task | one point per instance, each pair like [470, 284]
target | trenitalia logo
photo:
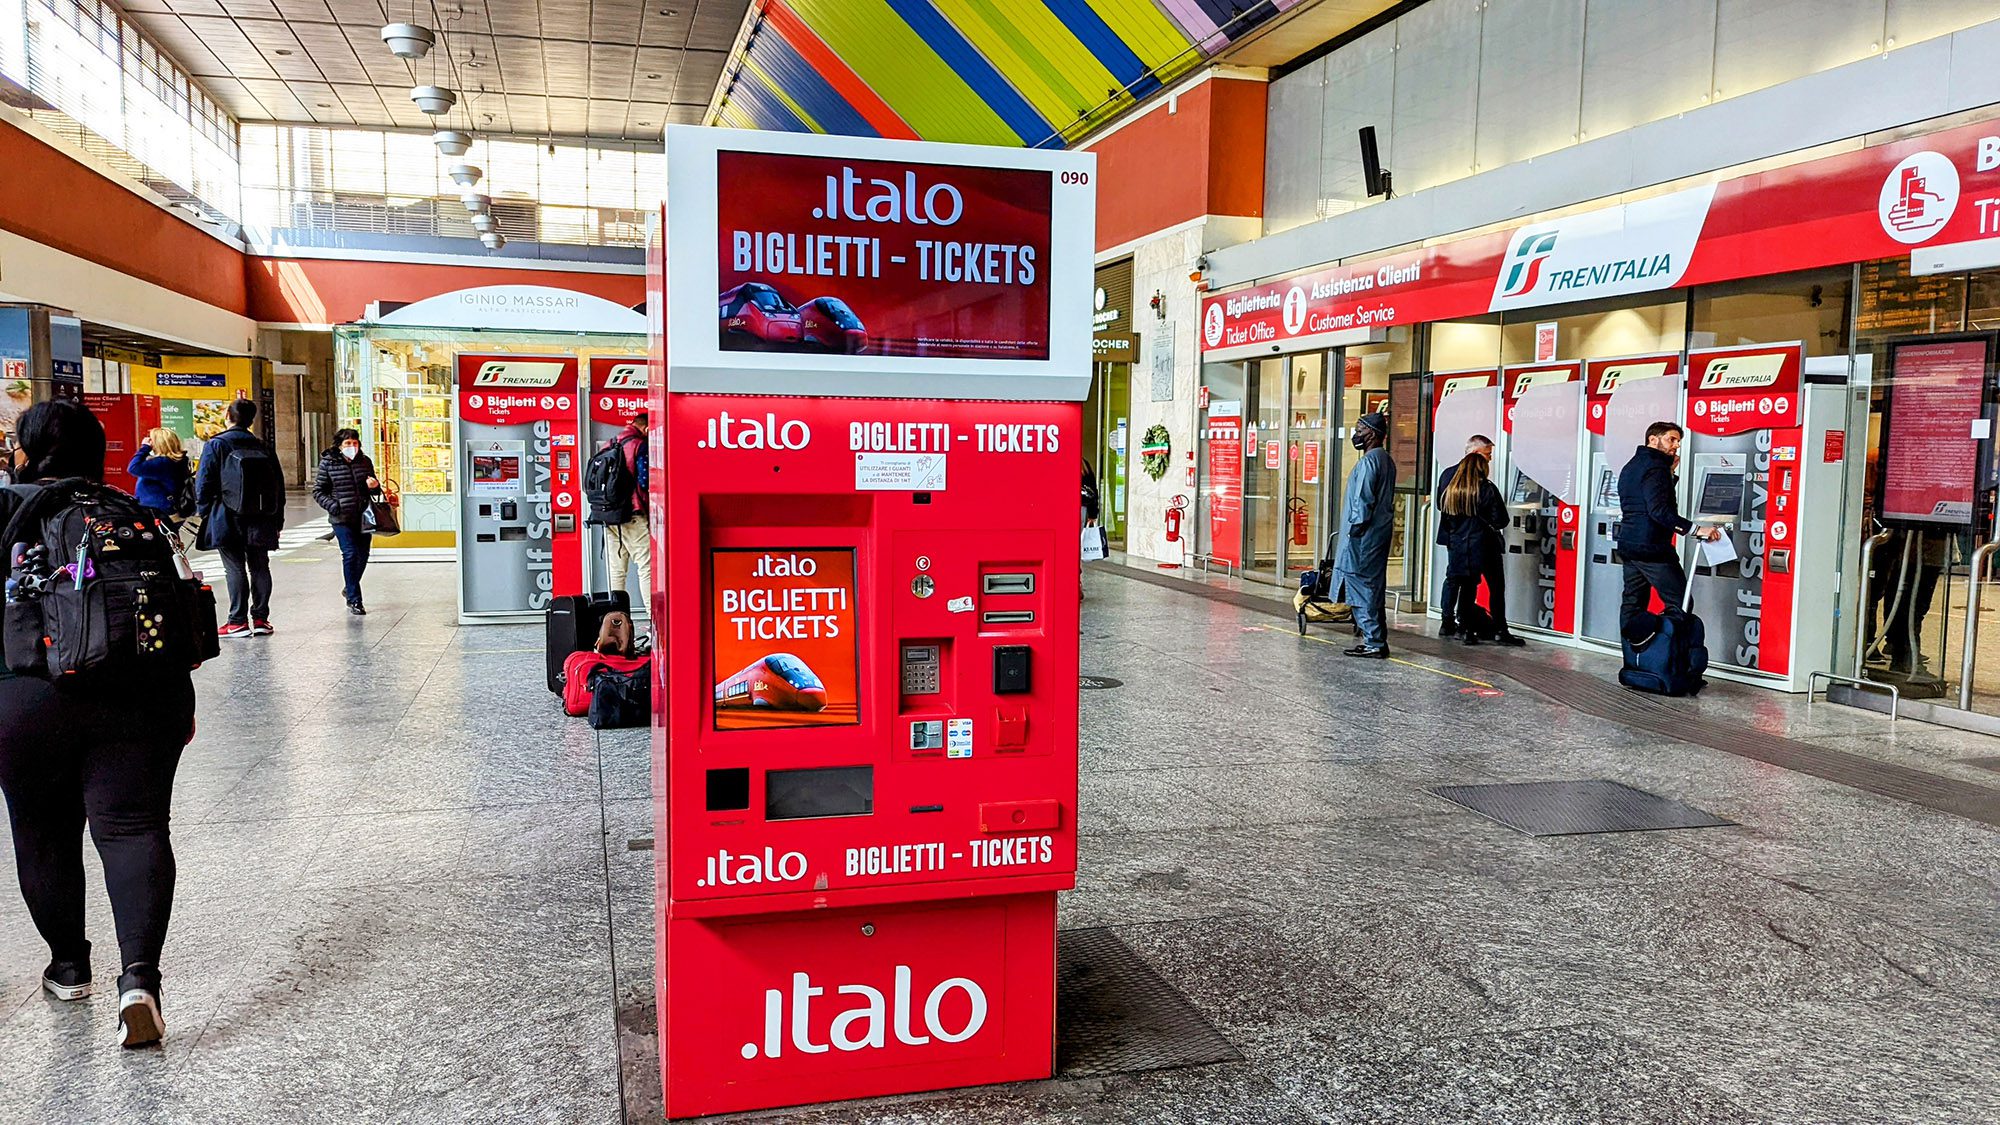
[1619, 374]
[1524, 263]
[517, 373]
[1631, 248]
[1742, 371]
[625, 377]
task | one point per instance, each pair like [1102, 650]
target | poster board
[1937, 443]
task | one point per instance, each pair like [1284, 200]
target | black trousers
[70, 758]
[1645, 576]
[248, 570]
[1461, 595]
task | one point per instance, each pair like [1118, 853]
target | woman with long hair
[91, 754]
[1474, 517]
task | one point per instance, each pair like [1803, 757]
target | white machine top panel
[855, 266]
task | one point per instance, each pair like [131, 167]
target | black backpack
[184, 495]
[609, 483]
[97, 588]
[252, 484]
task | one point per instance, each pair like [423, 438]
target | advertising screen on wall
[782, 638]
[1933, 434]
[843, 265]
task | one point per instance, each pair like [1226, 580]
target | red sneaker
[233, 629]
[260, 628]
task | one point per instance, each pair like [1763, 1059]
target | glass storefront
[1107, 425]
[395, 385]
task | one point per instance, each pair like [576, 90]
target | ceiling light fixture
[466, 175]
[433, 100]
[408, 40]
[482, 222]
[476, 202]
[493, 240]
[451, 142]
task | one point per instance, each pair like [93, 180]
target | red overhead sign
[1737, 390]
[1878, 202]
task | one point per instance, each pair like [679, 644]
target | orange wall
[1205, 158]
[56, 201]
[320, 291]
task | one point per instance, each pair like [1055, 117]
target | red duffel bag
[576, 676]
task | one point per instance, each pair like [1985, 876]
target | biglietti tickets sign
[1879, 202]
[844, 265]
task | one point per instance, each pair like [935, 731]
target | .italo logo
[1524, 264]
[727, 432]
[888, 202]
[869, 1023]
[734, 869]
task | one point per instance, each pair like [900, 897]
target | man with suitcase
[1649, 518]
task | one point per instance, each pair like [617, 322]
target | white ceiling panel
[582, 67]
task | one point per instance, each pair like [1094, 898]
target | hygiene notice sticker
[899, 472]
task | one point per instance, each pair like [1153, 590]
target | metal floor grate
[1575, 808]
[1115, 1015]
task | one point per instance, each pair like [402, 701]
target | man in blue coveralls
[1361, 567]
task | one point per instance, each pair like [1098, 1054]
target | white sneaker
[140, 1023]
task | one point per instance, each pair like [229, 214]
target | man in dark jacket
[245, 541]
[1649, 518]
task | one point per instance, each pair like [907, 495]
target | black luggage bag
[1667, 657]
[573, 621]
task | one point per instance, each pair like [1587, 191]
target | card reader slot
[1008, 617]
[1007, 582]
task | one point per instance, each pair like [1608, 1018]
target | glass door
[1264, 467]
[1306, 463]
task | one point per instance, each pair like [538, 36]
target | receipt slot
[865, 747]
[521, 495]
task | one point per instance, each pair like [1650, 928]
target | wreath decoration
[1155, 447]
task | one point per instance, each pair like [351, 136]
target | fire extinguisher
[1299, 509]
[1174, 511]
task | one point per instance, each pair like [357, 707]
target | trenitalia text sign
[1879, 202]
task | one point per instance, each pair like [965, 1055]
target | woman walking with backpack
[97, 751]
[165, 479]
[343, 485]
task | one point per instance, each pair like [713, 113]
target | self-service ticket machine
[1765, 453]
[865, 755]
[520, 500]
[1536, 470]
[1613, 436]
[1464, 404]
[616, 390]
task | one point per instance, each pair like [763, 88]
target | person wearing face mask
[343, 485]
[1361, 567]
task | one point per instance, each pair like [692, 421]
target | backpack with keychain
[98, 587]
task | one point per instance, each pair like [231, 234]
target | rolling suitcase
[1666, 656]
[572, 622]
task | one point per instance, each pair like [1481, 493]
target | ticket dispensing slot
[1008, 598]
[1007, 582]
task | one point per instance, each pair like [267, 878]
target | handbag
[621, 699]
[380, 516]
[1095, 544]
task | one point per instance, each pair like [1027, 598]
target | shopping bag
[381, 518]
[1094, 544]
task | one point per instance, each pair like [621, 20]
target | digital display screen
[781, 636]
[1721, 495]
[1607, 491]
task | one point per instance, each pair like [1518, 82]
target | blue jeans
[354, 544]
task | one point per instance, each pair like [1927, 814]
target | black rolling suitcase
[573, 621]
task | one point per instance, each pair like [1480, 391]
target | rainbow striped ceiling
[1034, 73]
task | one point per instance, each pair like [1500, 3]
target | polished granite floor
[412, 892]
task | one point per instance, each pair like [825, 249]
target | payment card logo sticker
[1919, 197]
[1211, 324]
[1524, 262]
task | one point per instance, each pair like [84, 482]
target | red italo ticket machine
[865, 760]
